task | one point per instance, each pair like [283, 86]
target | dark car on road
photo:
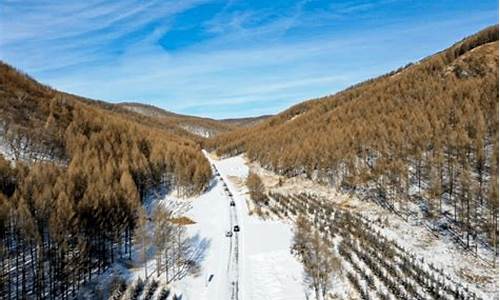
[236, 228]
[232, 203]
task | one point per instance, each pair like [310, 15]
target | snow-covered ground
[199, 130]
[5, 150]
[255, 263]
[267, 269]
[478, 274]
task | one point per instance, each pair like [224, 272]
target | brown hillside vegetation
[193, 127]
[185, 123]
[427, 133]
[183, 220]
[246, 122]
[81, 169]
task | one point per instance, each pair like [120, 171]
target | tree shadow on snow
[211, 184]
[197, 248]
[155, 195]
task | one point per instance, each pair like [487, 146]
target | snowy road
[255, 263]
[233, 257]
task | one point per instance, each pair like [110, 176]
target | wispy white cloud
[48, 35]
[256, 59]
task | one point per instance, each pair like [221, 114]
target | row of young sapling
[432, 279]
[139, 289]
[376, 267]
[382, 262]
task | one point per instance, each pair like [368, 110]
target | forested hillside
[76, 173]
[424, 136]
[197, 126]
[246, 122]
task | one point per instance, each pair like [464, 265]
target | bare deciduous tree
[143, 238]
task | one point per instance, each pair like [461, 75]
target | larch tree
[163, 239]
[256, 188]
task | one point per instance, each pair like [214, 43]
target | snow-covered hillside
[199, 130]
[464, 269]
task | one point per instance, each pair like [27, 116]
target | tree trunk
[17, 270]
[166, 265]
[23, 277]
[158, 264]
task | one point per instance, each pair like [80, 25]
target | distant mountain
[246, 122]
[203, 127]
[148, 110]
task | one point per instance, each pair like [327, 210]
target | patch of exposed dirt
[237, 181]
[471, 276]
[182, 220]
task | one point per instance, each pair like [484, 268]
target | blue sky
[226, 58]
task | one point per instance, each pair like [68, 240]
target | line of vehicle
[233, 220]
